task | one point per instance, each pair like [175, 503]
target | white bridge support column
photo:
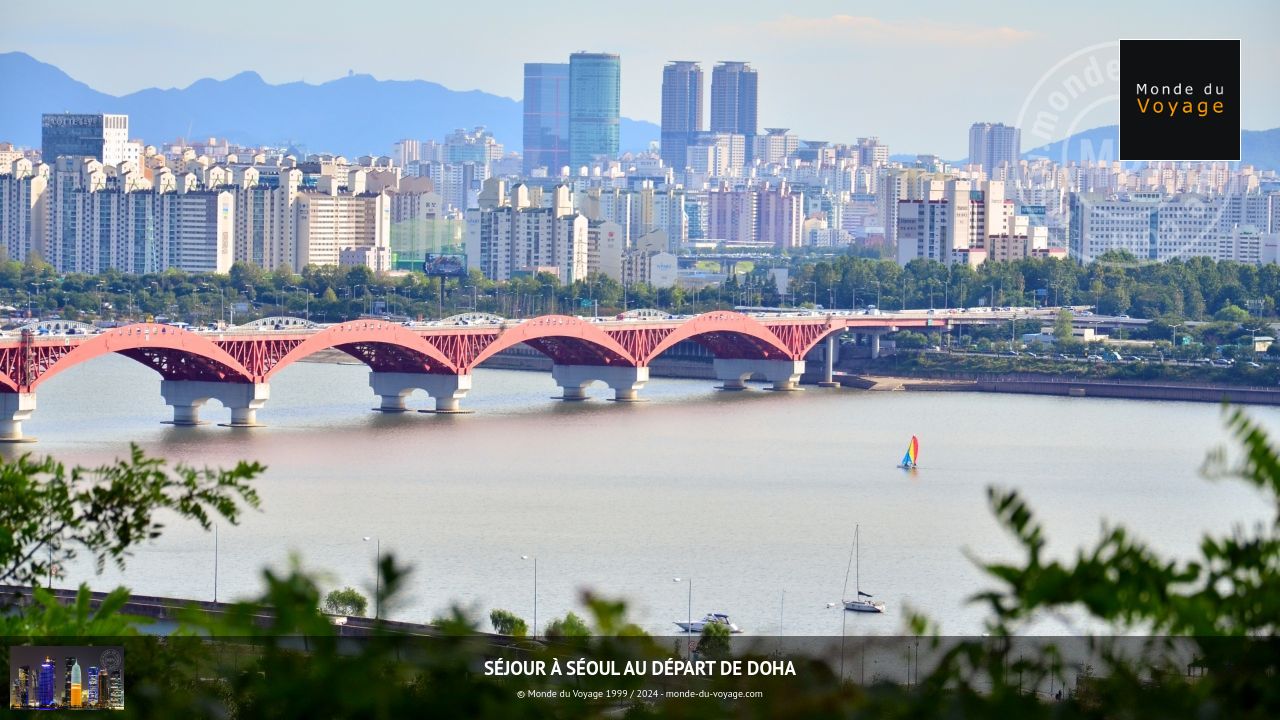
[15, 408]
[626, 381]
[829, 362]
[784, 374]
[875, 345]
[187, 396]
[394, 388]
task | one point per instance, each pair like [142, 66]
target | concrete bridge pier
[626, 381]
[734, 373]
[188, 396]
[394, 388]
[14, 409]
[875, 345]
[829, 362]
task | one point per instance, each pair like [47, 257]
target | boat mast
[857, 578]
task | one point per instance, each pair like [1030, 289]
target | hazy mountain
[1259, 148]
[353, 115]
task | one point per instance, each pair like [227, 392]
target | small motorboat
[708, 619]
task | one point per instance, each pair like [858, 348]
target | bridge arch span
[728, 335]
[175, 353]
[382, 345]
[566, 340]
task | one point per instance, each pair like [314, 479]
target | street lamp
[377, 588]
[535, 592]
[815, 293]
[688, 627]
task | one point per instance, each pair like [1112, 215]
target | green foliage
[570, 626]
[347, 601]
[1232, 314]
[50, 515]
[1063, 326]
[713, 643]
[506, 622]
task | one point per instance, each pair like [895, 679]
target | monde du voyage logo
[1180, 100]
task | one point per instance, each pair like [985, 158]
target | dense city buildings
[595, 87]
[513, 231]
[546, 117]
[681, 111]
[202, 205]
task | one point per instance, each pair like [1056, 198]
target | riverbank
[881, 376]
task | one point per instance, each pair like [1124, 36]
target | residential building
[994, 145]
[734, 101]
[507, 234]
[681, 110]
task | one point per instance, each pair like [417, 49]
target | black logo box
[1188, 66]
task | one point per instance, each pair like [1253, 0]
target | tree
[570, 626]
[49, 515]
[1232, 313]
[506, 622]
[1063, 325]
[347, 601]
[713, 643]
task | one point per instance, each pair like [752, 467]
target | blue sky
[914, 73]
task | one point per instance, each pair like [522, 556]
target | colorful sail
[913, 452]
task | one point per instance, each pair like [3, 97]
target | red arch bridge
[235, 365]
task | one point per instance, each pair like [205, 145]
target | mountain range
[353, 115]
[1259, 148]
[344, 115]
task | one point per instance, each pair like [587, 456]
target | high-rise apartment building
[1158, 226]
[681, 110]
[546, 117]
[595, 82]
[22, 211]
[104, 138]
[507, 234]
[994, 145]
[734, 102]
[329, 222]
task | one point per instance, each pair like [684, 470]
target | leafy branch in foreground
[1232, 589]
[49, 515]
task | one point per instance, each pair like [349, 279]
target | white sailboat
[861, 601]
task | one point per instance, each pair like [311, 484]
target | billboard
[445, 265]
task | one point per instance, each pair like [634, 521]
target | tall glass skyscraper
[734, 101]
[546, 116]
[595, 82]
[681, 110]
[44, 683]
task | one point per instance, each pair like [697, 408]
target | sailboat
[913, 452]
[860, 601]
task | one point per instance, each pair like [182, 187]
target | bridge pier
[14, 409]
[829, 362]
[626, 381]
[734, 372]
[188, 396]
[394, 388]
[875, 345]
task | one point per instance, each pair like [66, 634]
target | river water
[753, 495]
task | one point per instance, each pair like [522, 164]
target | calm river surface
[753, 495]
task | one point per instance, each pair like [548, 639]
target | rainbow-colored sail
[913, 452]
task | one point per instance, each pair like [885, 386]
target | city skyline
[816, 60]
